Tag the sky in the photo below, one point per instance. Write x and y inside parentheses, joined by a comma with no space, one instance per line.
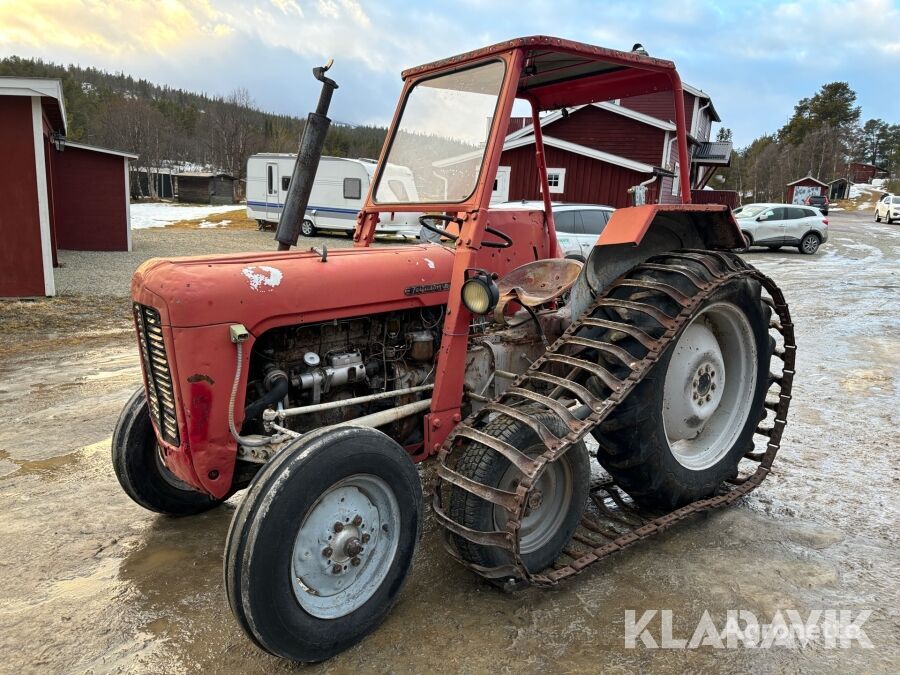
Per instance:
(755,58)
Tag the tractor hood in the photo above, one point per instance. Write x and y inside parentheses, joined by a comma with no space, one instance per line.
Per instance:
(263,290)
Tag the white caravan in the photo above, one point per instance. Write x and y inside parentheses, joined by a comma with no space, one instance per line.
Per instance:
(338,193)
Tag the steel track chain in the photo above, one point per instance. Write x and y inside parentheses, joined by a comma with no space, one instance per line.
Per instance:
(621,523)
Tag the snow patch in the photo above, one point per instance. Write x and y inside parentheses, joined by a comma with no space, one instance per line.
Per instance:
(162,214)
(262,277)
(205,224)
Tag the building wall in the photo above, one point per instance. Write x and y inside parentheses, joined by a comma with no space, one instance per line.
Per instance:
(21,258)
(194,189)
(587,180)
(661,105)
(603,130)
(90,200)
(817,189)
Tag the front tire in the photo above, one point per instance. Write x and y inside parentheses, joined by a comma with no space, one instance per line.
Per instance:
(563,489)
(809,244)
(308,229)
(319,550)
(661,444)
(140,469)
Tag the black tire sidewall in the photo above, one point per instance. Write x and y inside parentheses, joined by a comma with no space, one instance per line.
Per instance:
(138,470)
(660,480)
(266,536)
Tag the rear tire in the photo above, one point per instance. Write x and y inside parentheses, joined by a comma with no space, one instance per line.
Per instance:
(298,524)
(809,244)
(877,217)
(141,471)
(660,444)
(748,242)
(545,531)
(308,229)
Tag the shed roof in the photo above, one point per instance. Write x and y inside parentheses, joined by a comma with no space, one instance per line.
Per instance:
(806,179)
(106,151)
(48,88)
(204,174)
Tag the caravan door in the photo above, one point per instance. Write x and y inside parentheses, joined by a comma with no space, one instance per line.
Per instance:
(273,206)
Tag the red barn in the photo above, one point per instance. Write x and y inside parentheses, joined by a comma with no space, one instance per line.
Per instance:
(55,194)
(596,152)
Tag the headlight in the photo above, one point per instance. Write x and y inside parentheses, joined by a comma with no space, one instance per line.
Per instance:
(480,294)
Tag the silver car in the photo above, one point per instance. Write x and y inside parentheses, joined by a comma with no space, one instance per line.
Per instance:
(777,225)
(577,225)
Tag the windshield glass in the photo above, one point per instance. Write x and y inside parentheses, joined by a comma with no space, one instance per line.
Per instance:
(751,210)
(440,139)
(895,200)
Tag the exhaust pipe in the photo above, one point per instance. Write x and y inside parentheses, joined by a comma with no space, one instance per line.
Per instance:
(308,155)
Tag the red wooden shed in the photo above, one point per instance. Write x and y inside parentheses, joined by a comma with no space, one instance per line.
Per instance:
(799,190)
(55,194)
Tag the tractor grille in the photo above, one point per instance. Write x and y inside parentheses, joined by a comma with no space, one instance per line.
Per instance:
(160,395)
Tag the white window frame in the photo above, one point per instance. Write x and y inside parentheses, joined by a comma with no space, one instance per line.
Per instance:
(676,182)
(560,186)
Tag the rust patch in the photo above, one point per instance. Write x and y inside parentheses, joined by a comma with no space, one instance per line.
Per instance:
(200,377)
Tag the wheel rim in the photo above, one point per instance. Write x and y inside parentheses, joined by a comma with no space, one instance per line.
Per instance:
(307,228)
(810,244)
(710,386)
(345,546)
(549,501)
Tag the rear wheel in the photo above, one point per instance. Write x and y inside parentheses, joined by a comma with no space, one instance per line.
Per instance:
(686,425)
(139,467)
(319,550)
(308,229)
(556,501)
(809,244)
(748,241)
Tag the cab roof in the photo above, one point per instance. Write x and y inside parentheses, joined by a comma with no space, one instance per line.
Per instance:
(559,73)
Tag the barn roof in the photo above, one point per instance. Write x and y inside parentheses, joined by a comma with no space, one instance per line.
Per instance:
(808,179)
(714,153)
(609,107)
(50,91)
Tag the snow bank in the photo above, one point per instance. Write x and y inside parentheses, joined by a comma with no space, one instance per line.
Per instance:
(160,214)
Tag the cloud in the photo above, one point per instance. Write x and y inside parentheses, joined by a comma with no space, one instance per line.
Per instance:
(755,58)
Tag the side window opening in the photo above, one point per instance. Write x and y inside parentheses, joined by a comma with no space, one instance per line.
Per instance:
(594,220)
(270,179)
(285,181)
(352,188)
(565,221)
(556,180)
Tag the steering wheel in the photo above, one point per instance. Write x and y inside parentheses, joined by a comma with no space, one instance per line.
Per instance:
(423,221)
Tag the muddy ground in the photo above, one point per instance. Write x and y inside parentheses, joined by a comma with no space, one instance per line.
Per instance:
(90,582)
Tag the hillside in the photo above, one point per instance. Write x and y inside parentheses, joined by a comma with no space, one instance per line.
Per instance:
(165,125)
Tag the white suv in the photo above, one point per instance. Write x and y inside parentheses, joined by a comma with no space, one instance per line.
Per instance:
(777,225)
(887,208)
(577,225)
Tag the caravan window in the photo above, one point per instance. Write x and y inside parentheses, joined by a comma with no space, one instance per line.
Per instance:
(285,181)
(352,188)
(270,179)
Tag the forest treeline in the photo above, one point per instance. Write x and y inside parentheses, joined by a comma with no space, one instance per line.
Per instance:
(173,127)
(822,136)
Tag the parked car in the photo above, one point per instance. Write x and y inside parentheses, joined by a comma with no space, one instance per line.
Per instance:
(777,225)
(819,201)
(887,208)
(577,225)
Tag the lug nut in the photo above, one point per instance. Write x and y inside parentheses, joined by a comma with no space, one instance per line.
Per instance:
(338,527)
(327,551)
(355,562)
(336,569)
(357,521)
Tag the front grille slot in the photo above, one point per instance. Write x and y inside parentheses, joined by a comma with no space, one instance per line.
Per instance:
(160,392)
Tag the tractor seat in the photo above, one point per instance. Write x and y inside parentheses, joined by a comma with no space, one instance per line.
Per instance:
(537,283)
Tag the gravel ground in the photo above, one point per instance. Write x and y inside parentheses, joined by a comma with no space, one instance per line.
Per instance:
(109,273)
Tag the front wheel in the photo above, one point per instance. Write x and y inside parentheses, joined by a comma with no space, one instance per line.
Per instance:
(318,551)
(308,229)
(809,244)
(877,217)
(138,464)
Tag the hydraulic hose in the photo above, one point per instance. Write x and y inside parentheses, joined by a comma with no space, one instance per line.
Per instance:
(241,440)
(277,382)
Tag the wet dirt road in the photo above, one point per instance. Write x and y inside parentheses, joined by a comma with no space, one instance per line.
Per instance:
(92,583)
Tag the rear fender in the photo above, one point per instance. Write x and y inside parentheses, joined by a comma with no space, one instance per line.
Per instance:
(637,233)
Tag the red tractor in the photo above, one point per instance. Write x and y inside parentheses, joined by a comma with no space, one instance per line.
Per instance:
(319,379)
